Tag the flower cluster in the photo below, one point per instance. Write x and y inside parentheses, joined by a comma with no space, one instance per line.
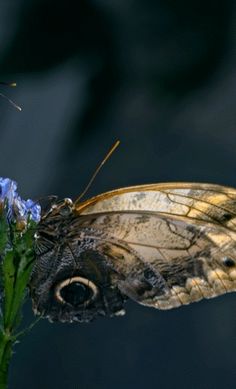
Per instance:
(17,257)
(17,209)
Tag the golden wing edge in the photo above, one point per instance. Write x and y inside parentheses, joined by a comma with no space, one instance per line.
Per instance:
(81,206)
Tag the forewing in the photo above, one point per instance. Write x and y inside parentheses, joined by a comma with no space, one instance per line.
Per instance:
(204,202)
(182,234)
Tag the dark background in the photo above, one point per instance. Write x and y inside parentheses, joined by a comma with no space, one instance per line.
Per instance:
(161,77)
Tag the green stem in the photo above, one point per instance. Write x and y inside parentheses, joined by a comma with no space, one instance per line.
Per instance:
(17,259)
(6,344)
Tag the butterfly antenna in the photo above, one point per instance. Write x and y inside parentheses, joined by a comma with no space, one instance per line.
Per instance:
(12,84)
(110,152)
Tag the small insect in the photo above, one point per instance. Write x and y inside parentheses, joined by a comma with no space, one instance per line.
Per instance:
(161,245)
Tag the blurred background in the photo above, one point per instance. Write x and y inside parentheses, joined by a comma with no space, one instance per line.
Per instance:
(161,77)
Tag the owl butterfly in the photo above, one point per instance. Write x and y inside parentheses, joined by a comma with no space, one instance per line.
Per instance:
(161,245)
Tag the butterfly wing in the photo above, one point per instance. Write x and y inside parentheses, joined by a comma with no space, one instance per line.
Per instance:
(172,243)
(204,202)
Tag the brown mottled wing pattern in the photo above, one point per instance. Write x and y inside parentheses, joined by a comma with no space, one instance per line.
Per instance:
(172,243)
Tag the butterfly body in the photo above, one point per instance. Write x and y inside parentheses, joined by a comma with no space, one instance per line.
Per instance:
(162,245)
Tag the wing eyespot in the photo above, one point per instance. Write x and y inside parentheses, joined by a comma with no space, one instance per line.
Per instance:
(228,262)
(226,217)
(76,291)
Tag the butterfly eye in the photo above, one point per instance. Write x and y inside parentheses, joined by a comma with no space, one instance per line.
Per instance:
(76,291)
(66,208)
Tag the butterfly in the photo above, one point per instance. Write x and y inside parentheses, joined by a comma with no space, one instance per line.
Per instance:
(162,245)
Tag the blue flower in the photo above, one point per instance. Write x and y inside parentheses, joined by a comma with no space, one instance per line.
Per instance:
(7,190)
(17,209)
(33,209)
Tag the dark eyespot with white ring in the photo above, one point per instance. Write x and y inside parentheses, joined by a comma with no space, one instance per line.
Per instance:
(228,262)
(76,291)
